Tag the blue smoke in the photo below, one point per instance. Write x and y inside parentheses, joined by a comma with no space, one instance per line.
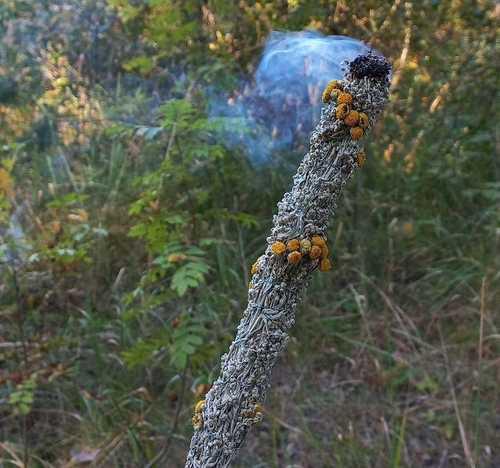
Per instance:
(279,109)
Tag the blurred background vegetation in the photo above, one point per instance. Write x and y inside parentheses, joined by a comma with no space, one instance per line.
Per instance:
(127,229)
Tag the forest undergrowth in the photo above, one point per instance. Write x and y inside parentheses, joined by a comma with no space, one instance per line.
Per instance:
(129,220)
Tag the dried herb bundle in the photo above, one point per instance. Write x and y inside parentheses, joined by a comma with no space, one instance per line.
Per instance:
(296,248)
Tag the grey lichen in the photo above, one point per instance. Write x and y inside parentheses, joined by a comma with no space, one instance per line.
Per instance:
(233,403)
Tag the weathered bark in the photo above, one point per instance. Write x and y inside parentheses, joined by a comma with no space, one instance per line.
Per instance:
(232,405)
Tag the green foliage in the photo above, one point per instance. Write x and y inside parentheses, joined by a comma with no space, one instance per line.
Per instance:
(187,338)
(189,266)
(142,65)
(190,275)
(22,398)
(184,340)
(141,353)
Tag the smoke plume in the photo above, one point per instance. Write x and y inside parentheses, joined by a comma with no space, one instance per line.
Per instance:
(277,111)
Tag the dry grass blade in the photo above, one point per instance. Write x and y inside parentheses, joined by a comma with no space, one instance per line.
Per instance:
(481,321)
(463,434)
(16,461)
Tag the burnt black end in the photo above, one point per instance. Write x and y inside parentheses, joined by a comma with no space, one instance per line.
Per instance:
(371,66)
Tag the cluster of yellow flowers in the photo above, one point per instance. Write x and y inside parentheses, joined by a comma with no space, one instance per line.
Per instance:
(197,418)
(6,183)
(79,115)
(356,120)
(295,250)
(255,414)
(15,120)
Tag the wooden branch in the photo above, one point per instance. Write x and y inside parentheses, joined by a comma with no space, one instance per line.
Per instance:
(296,248)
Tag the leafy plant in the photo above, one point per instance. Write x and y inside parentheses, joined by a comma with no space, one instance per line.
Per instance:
(187,339)
(22,398)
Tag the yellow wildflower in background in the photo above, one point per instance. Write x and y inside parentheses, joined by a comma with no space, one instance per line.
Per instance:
(15,120)
(80,115)
(6,184)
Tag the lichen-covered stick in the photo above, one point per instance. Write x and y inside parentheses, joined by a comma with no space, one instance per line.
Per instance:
(296,247)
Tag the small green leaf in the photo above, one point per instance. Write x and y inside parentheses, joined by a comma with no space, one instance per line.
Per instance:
(141,64)
(24,408)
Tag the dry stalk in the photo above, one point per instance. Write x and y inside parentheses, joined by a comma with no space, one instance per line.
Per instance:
(232,406)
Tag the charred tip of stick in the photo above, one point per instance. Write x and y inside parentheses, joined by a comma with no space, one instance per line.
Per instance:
(370,65)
